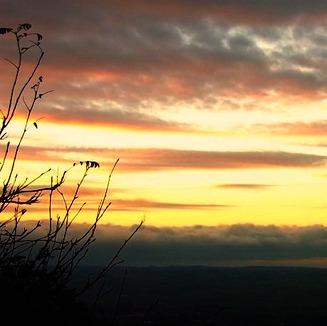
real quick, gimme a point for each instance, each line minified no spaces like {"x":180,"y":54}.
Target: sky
{"x":216,"y":111}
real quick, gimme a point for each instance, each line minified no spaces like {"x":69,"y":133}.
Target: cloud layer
{"x":208,"y":55}
{"x":230,"y":245}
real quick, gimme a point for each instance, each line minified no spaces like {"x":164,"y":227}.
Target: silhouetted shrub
{"x":37,"y":262}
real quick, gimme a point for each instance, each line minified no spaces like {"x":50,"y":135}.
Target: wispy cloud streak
{"x":150,"y":159}
{"x":243,"y":186}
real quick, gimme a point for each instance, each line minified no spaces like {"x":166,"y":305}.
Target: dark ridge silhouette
{"x":201,"y":295}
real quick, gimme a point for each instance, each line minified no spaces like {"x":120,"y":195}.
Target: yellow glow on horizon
{"x":288,"y":198}
{"x":179,"y":196}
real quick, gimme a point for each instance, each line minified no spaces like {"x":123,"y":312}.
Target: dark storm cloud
{"x":266,"y":11}
{"x":240,"y":11}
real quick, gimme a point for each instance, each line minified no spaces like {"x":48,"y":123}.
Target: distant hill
{"x":213,"y":296}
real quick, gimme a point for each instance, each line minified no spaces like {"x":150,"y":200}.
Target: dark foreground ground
{"x":213,"y":296}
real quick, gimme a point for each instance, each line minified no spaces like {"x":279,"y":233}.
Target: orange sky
{"x":216,"y":111}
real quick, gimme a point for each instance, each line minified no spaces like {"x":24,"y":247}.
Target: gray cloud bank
{"x":232,"y":245}
{"x":128,"y":56}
